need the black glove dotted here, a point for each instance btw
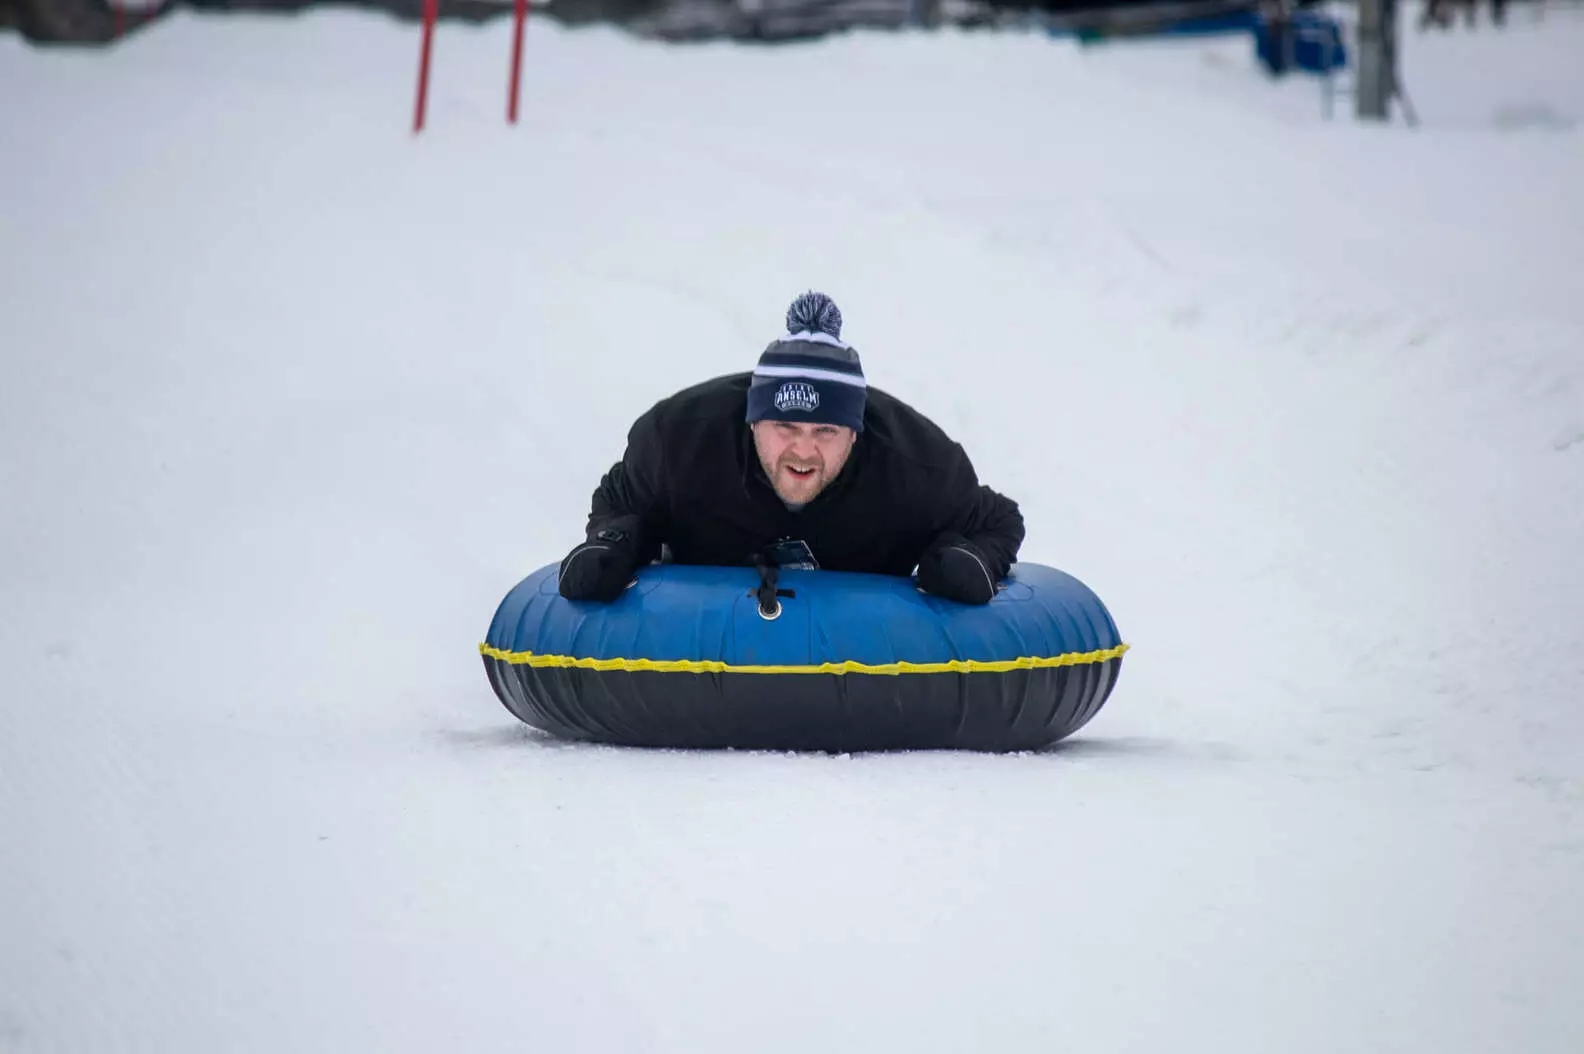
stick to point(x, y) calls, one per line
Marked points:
point(601, 567)
point(953, 568)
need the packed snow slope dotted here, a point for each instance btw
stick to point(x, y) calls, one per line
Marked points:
point(291, 399)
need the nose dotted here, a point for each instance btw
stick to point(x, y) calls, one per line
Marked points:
point(802, 447)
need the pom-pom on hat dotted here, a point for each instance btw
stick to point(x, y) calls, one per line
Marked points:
point(809, 373)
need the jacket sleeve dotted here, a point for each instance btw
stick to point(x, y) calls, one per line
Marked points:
point(630, 498)
point(989, 521)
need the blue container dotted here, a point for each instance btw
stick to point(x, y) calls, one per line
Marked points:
point(1307, 41)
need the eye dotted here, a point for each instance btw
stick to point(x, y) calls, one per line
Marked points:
point(826, 431)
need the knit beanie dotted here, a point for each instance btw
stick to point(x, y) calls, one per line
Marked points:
point(809, 374)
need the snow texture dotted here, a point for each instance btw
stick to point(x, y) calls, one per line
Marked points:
point(291, 399)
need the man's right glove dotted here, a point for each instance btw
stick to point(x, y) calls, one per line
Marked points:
point(601, 567)
point(952, 568)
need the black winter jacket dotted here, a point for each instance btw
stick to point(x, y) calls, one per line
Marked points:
point(690, 480)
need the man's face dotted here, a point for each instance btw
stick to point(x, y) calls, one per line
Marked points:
point(802, 459)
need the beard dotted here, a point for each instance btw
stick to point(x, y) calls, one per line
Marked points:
point(798, 481)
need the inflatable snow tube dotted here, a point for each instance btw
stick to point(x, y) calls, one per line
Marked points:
point(809, 660)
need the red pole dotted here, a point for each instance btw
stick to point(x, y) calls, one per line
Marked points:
point(430, 11)
point(519, 17)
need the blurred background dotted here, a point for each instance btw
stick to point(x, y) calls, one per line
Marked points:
point(101, 21)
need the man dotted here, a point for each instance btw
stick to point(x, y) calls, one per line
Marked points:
point(802, 464)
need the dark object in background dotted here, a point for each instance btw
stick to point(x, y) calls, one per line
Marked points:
point(98, 21)
point(95, 22)
point(1442, 13)
point(1309, 41)
point(66, 21)
point(775, 20)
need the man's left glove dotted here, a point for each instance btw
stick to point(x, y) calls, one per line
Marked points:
point(601, 567)
point(953, 568)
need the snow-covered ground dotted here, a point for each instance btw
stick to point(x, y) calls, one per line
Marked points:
point(291, 399)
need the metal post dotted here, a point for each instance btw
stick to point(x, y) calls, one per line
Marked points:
point(1373, 89)
point(519, 17)
point(1328, 84)
point(431, 12)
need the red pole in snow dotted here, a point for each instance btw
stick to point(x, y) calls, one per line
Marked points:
point(430, 11)
point(519, 17)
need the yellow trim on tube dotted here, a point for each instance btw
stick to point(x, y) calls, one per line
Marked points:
point(528, 658)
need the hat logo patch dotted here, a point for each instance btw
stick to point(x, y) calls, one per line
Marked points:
point(797, 395)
